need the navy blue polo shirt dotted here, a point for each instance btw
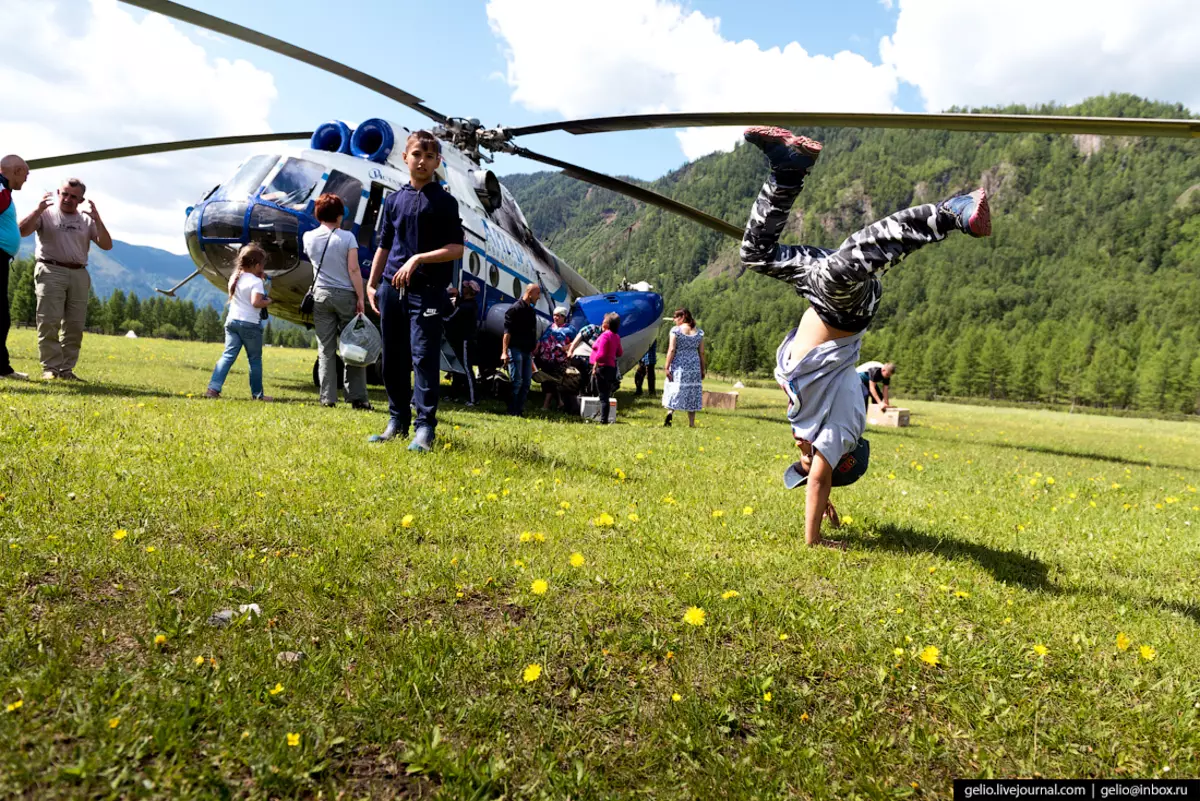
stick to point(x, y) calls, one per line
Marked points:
point(418, 221)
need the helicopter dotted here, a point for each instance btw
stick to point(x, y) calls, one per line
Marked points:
point(269, 199)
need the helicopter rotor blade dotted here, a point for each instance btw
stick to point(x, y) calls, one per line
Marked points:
point(198, 18)
point(634, 191)
point(992, 123)
point(162, 147)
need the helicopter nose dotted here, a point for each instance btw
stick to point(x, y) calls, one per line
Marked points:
point(218, 229)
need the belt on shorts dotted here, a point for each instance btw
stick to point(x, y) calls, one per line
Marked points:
point(68, 265)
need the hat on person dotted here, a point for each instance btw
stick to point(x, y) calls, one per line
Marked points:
point(563, 310)
point(848, 470)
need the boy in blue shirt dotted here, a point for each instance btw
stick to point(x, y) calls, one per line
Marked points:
point(13, 172)
point(815, 363)
point(422, 237)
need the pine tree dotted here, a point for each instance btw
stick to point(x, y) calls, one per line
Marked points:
point(24, 302)
point(95, 310)
point(1152, 380)
point(115, 312)
point(208, 326)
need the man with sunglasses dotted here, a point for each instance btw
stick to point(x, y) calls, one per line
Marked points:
point(61, 280)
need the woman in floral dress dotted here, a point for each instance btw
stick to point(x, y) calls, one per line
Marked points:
point(686, 367)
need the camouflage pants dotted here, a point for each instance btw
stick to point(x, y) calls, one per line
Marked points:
point(842, 285)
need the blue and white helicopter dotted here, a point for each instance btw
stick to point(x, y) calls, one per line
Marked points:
point(270, 198)
point(269, 201)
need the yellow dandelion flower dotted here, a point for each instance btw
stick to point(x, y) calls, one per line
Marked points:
point(669, 501)
point(676, 697)
point(961, 594)
point(669, 656)
point(1007, 620)
point(920, 468)
point(277, 689)
point(120, 534)
point(1123, 642)
point(407, 521)
point(730, 594)
point(891, 476)
point(532, 672)
point(199, 660)
point(1050, 481)
point(747, 510)
point(526, 536)
point(718, 513)
point(619, 474)
point(604, 520)
point(1040, 649)
point(475, 471)
point(114, 722)
point(639, 456)
point(767, 696)
point(150, 549)
point(293, 739)
point(577, 559)
point(694, 616)
point(897, 652)
point(160, 639)
point(1147, 653)
point(783, 638)
point(564, 505)
point(847, 519)
point(539, 536)
point(633, 517)
point(491, 496)
point(539, 587)
point(518, 563)
point(803, 717)
point(929, 655)
point(14, 706)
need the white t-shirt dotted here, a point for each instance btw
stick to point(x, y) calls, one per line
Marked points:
point(240, 307)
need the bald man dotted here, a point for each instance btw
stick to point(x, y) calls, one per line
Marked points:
point(13, 172)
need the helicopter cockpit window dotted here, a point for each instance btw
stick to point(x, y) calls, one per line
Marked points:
point(349, 189)
point(249, 177)
point(293, 185)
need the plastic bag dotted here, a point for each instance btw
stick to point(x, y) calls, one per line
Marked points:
point(360, 343)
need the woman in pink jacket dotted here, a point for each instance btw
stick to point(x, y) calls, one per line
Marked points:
point(604, 360)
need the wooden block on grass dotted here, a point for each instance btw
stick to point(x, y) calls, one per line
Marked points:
point(894, 417)
point(720, 400)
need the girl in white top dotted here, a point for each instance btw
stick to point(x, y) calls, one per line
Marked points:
point(243, 327)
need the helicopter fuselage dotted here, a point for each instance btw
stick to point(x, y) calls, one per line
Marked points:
point(270, 200)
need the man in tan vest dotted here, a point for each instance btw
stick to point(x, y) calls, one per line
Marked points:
point(61, 280)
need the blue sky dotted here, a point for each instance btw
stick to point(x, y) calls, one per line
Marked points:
point(455, 66)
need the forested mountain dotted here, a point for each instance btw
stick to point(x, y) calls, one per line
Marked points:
point(1087, 292)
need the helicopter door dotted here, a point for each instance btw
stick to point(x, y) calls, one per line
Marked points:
point(369, 228)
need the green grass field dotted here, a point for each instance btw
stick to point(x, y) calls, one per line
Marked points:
point(1049, 559)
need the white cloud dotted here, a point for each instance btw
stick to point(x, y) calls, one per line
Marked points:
point(1033, 51)
point(653, 56)
point(85, 74)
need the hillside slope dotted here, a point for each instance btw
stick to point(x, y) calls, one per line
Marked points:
point(1086, 292)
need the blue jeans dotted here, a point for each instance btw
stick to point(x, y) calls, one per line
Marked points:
point(520, 370)
point(411, 326)
point(238, 335)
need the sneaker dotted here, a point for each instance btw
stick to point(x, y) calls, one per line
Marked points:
point(49, 375)
point(362, 406)
point(786, 151)
point(971, 212)
point(328, 405)
point(15, 376)
point(212, 393)
point(264, 398)
point(69, 375)
point(392, 431)
point(667, 422)
point(422, 441)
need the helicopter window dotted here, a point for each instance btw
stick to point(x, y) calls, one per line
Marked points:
point(277, 232)
point(516, 287)
point(293, 185)
point(349, 189)
point(474, 262)
point(223, 219)
point(493, 275)
point(249, 177)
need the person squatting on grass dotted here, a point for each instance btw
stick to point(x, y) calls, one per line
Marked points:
point(815, 362)
point(338, 298)
point(60, 277)
point(422, 237)
point(243, 324)
point(13, 172)
point(604, 360)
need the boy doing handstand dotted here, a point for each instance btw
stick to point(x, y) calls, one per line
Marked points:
point(815, 363)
